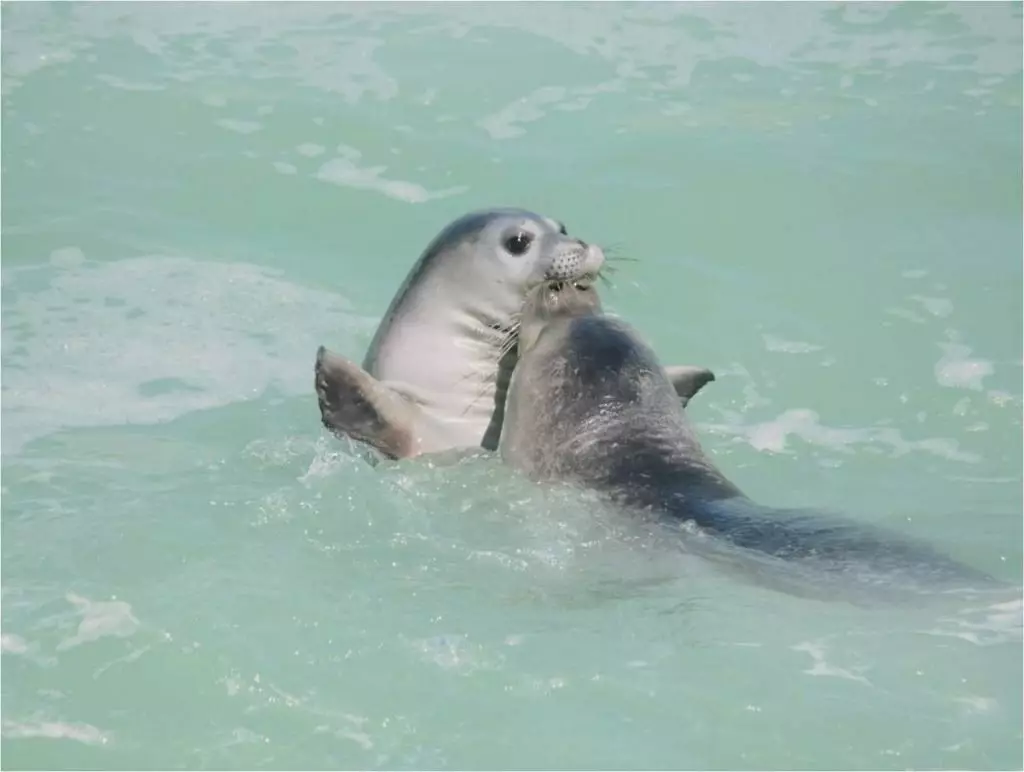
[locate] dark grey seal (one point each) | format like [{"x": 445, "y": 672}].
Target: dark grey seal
[{"x": 589, "y": 404}]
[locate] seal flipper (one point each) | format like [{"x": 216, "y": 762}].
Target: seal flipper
[
  {"x": 688, "y": 380},
  {"x": 354, "y": 403}
]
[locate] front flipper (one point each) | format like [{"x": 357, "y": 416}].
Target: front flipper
[
  {"x": 688, "y": 380},
  {"x": 354, "y": 403}
]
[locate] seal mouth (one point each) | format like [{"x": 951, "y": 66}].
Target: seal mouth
[{"x": 582, "y": 283}]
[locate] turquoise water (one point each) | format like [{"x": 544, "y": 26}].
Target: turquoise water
[{"x": 824, "y": 204}]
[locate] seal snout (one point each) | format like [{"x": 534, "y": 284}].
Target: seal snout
[{"x": 575, "y": 261}]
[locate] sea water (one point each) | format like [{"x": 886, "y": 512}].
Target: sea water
[{"x": 821, "y": 202}]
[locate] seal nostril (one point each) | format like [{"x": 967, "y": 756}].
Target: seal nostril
[{"x": 582, "y": 243}]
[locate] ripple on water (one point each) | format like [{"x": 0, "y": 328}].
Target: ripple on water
[{"x": 148, "y": 339}]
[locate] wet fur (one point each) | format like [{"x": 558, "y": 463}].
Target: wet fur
[{"x": 589, "y": 404}]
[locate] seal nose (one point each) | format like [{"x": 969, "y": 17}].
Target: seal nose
[
  {"x": 594, "y": 259},
  {"x": 575, "y": 262}
]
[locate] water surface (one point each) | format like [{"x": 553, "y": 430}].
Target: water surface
[{"x": 824, "y": 204}]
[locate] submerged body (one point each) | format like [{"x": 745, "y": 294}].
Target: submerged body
[
  {"x": 435, "y": 375},
  {"x": 589, "y": 404}
]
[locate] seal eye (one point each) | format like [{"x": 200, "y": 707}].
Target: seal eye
[
  {"x": 562, "y": 229},
  {"x": 519, "y": 243}
]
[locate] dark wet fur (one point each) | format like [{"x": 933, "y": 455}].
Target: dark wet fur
[
  {"x": 505, "y": 367},
  {"x": 620, "y": 431}
]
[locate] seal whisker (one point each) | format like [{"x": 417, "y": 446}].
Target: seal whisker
[
  {"x": 618, "y": 252},
  {"x": 507, "y": 341}
]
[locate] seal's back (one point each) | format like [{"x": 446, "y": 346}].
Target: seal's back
[{"x": 591, "y": 403}]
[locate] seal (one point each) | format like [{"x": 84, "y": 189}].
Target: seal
[
  {"x": 436, "y": 372},
  {"x": 589, "y": 404}
]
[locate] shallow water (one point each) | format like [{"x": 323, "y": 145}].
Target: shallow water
[{"x": 825, "y": 206}]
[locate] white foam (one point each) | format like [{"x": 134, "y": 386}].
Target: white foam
[
  {"x": 1001, "y": 398},
  {"x": 935, "y": 306},
  {"x": 821, "y": 667},
  {"x": 148, "y": 339},
  {"x": 643, "y": 44},
  {"x": 773, "y": 436},
  {"x": 346, "y": 727},
  {"x": 128, "y": 85},
  {"x": 12, "y": 644},
  {"x": 100, "y": 619},
  {"x": 751, "y": 396},
  {"x": 55, "y": 730},
  {"x": 775, "y": 343},
  {"x": 348, "y": 152},
  {"x": 904, "y": 313},
  {"x": 957, "y": 370},
  {"x": 457, "y": 653},
  {"x": 67, "y": 257},
  {"x": 504, "y": 124},
  {"x": 345, "y": 172},
  {"x": 242, "y": 127},
  {"x": 989, "y": 625},
  {"x": 976, "y": 704}
]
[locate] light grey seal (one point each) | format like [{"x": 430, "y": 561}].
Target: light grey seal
[
  {"x": 589, "y": 404},
  {"x": 435, "y": 375}
]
